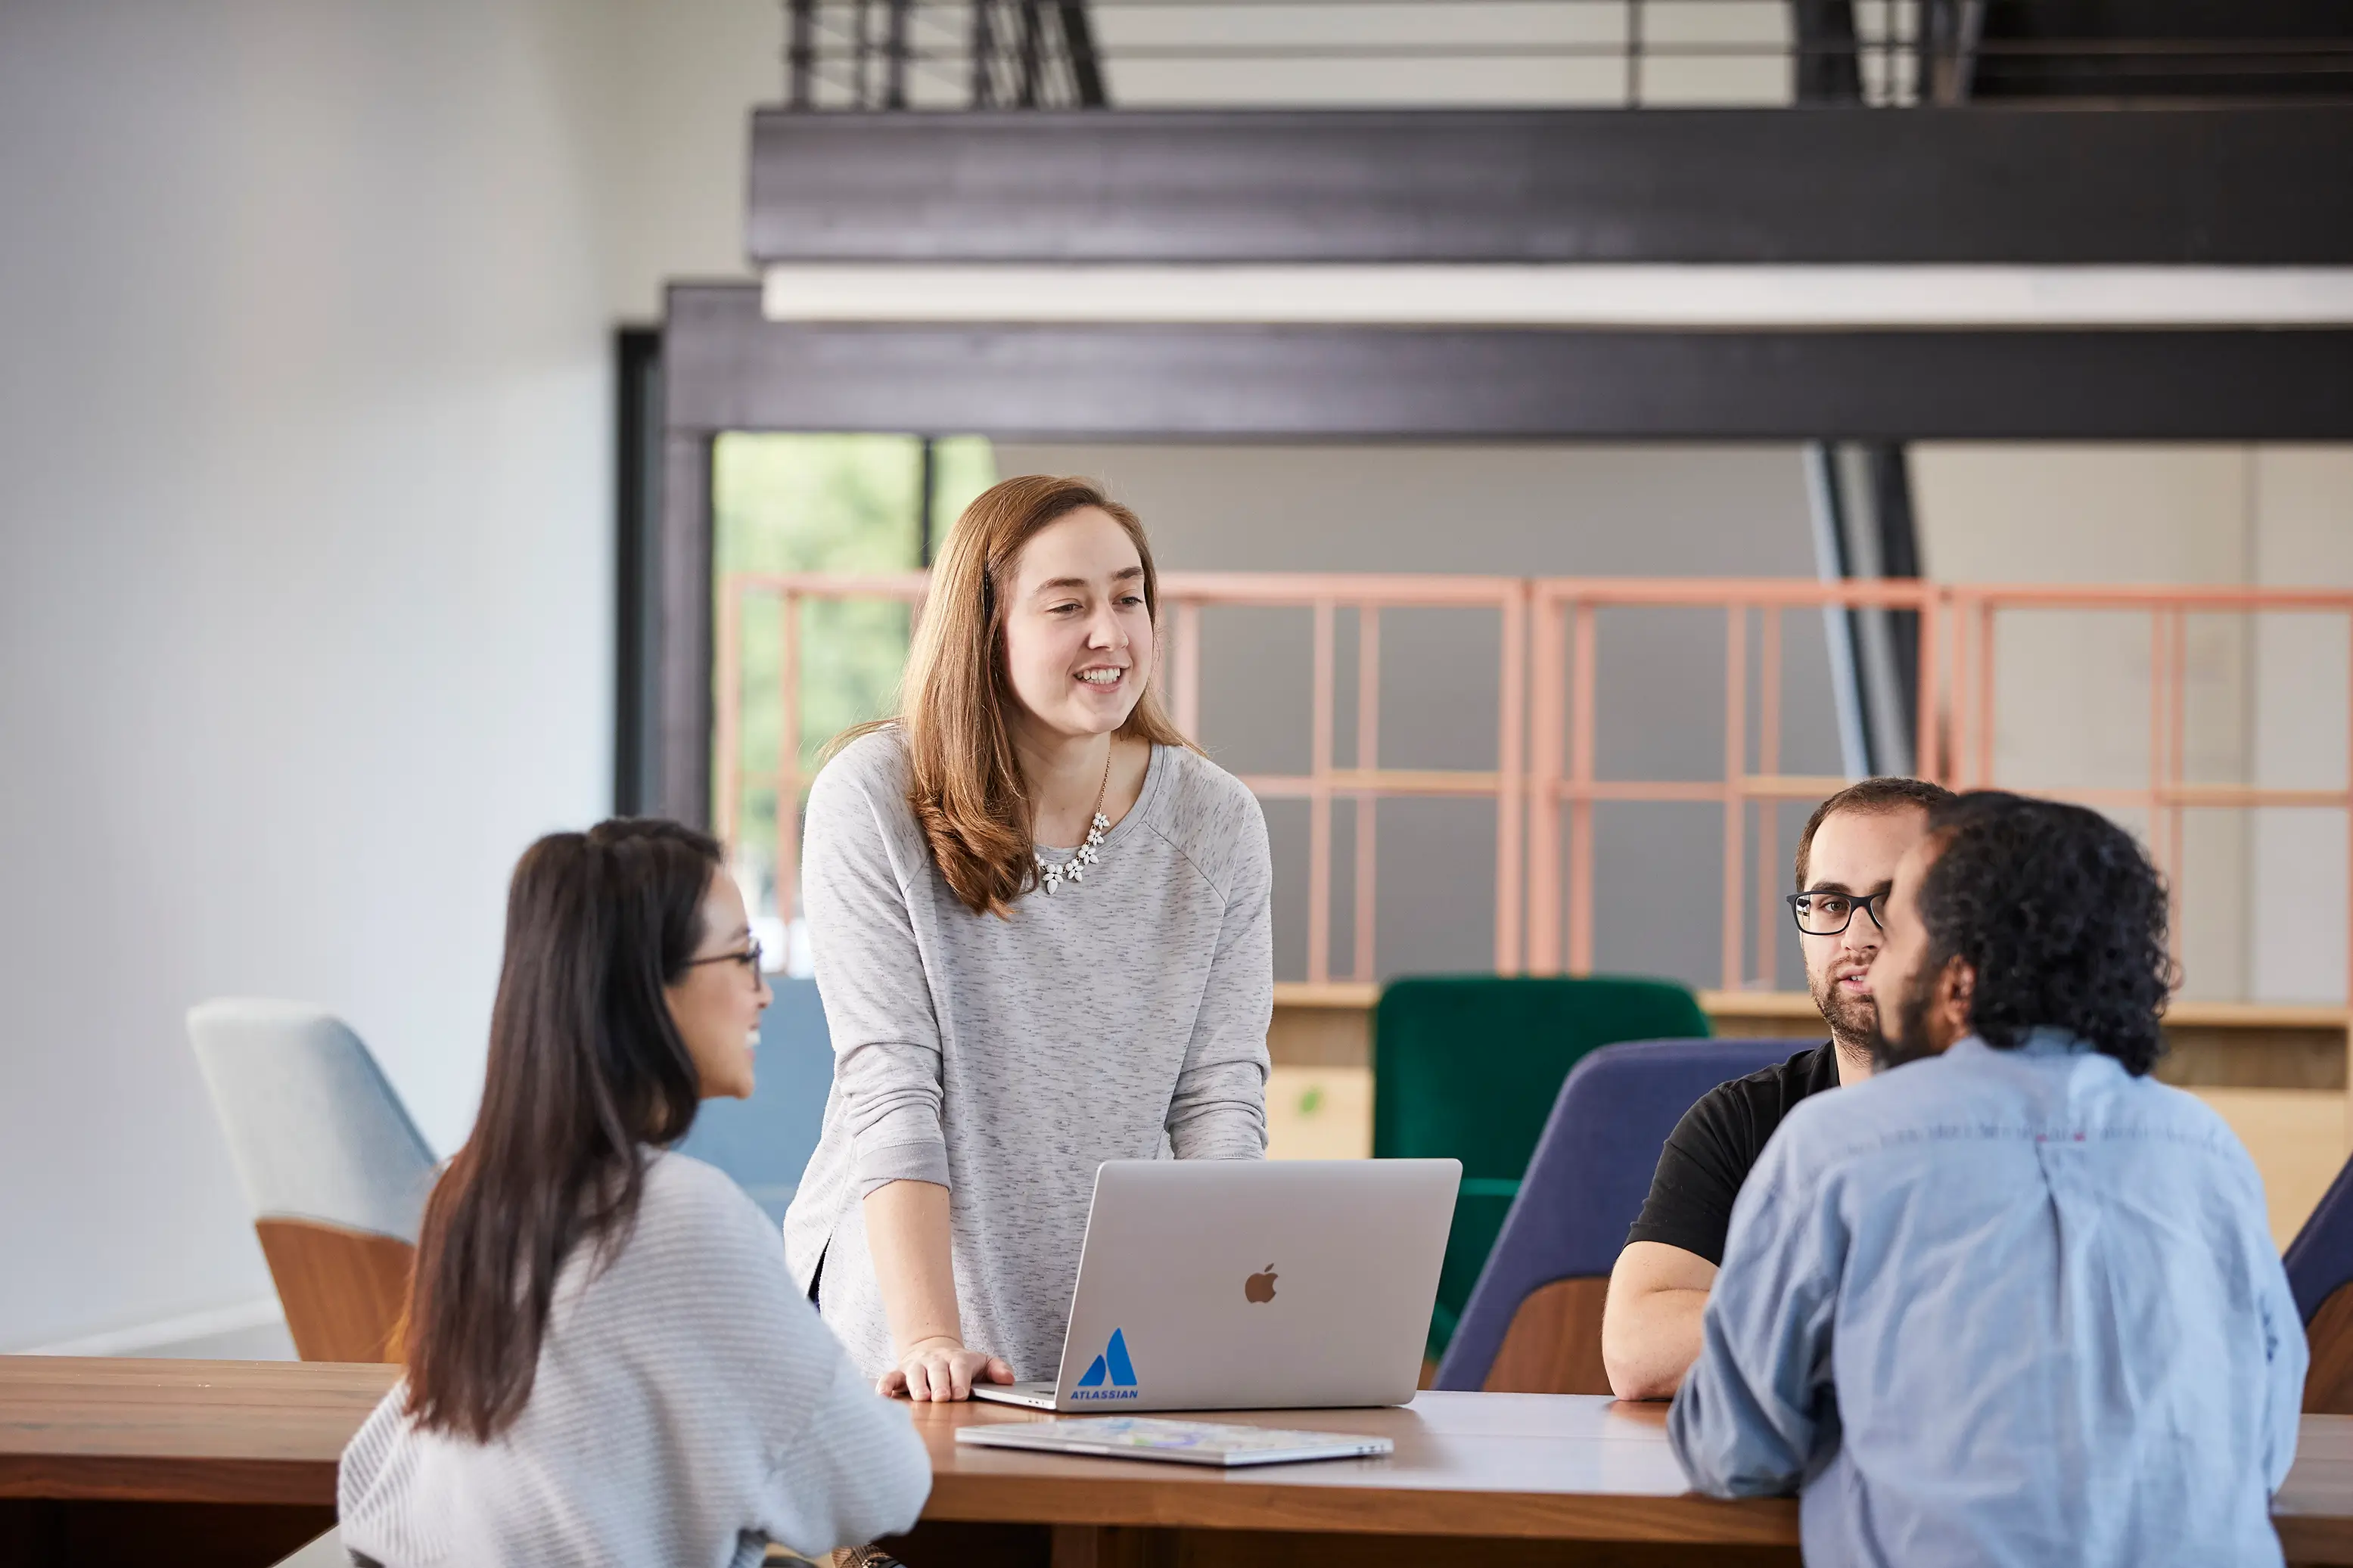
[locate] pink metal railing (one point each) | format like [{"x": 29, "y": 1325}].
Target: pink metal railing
[
  {"x": 1970, "y": 622},
  {"x": 1567, "y": 612},
  {"x": 1545, "y": 767},
  {"x": 1366, "y": 782},
  {"x": 1184, "y": 595},
  {"x": 729, "y": 770}
]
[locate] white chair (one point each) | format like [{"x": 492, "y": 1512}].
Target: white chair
[{"x": 336, "y": 1173}]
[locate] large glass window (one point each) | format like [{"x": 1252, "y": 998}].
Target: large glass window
[{"x": 784, "y": 504}]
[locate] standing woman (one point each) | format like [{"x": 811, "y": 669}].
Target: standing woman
[{"x": 1039, "y": 923}]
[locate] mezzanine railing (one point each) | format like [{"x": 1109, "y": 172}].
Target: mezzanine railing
[
  {"x": 1544, "y": 775},
  {"x": 1141, "y": 54}
]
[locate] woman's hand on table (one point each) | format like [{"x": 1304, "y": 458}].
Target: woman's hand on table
[{"x": 942, "y": 1369}]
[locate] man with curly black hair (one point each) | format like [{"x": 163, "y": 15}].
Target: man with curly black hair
[{"x": 2010, "y": 1301}]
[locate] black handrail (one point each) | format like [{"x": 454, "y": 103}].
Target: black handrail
[
  {"x": 1038, "y": 54},
  {"x": 1086, "y": 68},
  {"x": 1029, "y": 54}
]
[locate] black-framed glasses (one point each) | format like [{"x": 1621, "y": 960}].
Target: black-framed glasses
[
  {"x": 749, "y": 958},
  {"x": 1827, "y": 914}
]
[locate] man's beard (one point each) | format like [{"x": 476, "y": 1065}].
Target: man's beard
[
  {"x": 1910, "y": 1041},
  {"x": 1853, "y": 1020}
]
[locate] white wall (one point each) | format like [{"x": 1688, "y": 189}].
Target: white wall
[
  {"x": 683, "y": 77},
  {"x": 305, "y": 546}
]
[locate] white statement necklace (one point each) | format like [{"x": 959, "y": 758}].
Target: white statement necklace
[{"x": 1052, "y": 874}]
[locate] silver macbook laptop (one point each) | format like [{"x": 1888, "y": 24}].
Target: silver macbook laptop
[{"x": 1251, "y": 1285}]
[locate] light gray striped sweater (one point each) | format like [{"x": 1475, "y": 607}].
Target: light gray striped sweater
[{"x": 689, "y": 1408}]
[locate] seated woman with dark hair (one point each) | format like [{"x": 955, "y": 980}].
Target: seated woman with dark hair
[{"x": 607, "y": 1358}]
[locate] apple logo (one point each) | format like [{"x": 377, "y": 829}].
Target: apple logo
[{"x": 1260, "y": 1287}]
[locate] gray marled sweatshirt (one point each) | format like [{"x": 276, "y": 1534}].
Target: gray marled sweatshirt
[
  {"x": 688, "y": 1409},
  {"x": 1122, "y": 1018}
]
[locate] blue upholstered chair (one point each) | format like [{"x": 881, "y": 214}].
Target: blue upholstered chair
[
  {"x": 2319, "y": 1270},
  {"x": 1532, "y": 1324},
  {"x": 765, "y": 1141},
  {"x": 336, "y": 1172}
]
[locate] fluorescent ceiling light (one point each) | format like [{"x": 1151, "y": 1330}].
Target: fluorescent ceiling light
[{"x": 1564, "y": 295}]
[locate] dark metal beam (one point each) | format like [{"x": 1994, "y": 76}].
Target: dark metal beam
[
  {"x": 1820, "y": 184},
  {"x": 730, "y": 369},
  {"x": 1830, "y": 59},
  {"x": 683, "y": 726},
  {"x": 1086, "y": 65},
  {"x": 896, "y": 57},
  {"x": 1032, "y": 56},
  {"x": 637, "y": 481},
  {"x": 800, "y": 54},
  {"x": 1864, "y": 530},
  {"x": 984, "y": 56}
]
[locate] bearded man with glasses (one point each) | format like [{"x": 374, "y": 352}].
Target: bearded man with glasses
[
  {"x": 2012, "y": 1300},
  {"x": 1846, "y": 861}
]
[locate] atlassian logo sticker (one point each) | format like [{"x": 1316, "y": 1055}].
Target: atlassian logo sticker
[{"x": 1113, "y": 1364}]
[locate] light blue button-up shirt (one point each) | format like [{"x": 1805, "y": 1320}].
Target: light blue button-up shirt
[{"x": 2002, "y": 1306}]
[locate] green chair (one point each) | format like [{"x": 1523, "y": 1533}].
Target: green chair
[{"x": 1469, "y": 1065}]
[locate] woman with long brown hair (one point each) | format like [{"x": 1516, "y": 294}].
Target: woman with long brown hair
[
  {"x": 607, "y": 1360},
  {"x": 1039, "y": 920}
]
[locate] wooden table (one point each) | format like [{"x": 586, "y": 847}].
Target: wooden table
[
  {"x": 219, "y": 1463},
  {"x": 1492, "y": 1478},
  {"x": 212, "y": 1463},
  {"x": 1497, "y": 1479}
]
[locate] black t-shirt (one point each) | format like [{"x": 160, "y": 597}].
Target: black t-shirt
[{"x": 1715, "y": 1146}]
